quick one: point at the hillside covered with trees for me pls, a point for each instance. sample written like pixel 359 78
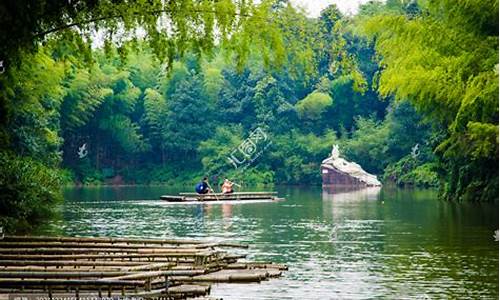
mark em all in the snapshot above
pixel 409 90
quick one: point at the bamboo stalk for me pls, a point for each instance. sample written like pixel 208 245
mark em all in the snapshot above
pixel 122 266
pixel 100 256
pixel 190 289
pixel 97 250
pixel 100 240
pixel 90 245
pixel 59 269
pixel 144 275
pixel 267 264
pixel 55 275
pixel 156 266
pixel 91 293
pixel 68 263
pixel 112 275
pixel 221 278
pixel 66 282
pixel 232 245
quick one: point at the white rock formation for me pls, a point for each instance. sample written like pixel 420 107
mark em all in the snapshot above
pixel 335 162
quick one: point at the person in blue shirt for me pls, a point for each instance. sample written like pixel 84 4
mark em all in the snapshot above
pixel 202 187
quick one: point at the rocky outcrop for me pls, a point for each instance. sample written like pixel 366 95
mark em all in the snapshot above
pixel 337 171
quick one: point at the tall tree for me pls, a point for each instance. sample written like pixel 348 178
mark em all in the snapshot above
pixel 443 56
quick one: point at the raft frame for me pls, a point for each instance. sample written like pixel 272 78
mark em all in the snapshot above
pixel 236 196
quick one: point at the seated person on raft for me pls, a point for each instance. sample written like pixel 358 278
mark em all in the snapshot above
pixel 227 186
pixel 202 187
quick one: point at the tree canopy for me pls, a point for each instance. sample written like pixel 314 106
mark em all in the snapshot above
pixel 113 92
pixel 444 59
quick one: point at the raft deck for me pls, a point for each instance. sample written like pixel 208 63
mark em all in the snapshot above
pixel 237 196
pixel 82 267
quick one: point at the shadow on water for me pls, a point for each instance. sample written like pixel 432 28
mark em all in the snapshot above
pixel 365 244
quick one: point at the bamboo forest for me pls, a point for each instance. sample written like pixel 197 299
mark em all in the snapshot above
pixel 241 149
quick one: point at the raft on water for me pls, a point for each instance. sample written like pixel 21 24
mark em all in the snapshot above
pixel 79 267
pixel 237 196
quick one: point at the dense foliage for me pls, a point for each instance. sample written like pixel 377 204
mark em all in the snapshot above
pixel 29 192
pixel 257 93
pixel 443 57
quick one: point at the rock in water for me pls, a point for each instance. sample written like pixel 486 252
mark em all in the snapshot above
pixel 338 171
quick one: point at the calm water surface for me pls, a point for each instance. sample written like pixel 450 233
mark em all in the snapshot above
pixel 370 244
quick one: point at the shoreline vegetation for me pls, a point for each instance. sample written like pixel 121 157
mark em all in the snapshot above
pixel 394 176
pixel 189 185
pixel 407 89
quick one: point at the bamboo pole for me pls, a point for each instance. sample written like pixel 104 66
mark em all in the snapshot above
pixel 90 245
pixel 55 275
pixel 97 250
pixel 100 240
pixel 101 257
pixel 68 263
pixel 155 266
pixel 112 275
pixel 121 266
pixel 222 278
pixel 78 247
pixel 66 282
pixel 144 275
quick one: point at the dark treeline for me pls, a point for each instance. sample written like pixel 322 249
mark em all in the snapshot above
pixel 406 89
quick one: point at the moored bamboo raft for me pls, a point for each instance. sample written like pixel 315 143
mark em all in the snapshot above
pixel 237 196
pixel 80 267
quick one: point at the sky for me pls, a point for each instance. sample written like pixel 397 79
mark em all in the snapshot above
pixel 314 7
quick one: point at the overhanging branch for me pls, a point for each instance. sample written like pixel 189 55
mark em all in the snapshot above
pixel 97 19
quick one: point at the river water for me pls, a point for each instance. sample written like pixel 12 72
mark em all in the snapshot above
pixel 368 244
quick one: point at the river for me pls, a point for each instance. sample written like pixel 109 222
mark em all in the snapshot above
pixel 369 244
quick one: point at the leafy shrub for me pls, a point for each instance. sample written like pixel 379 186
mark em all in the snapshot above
pixel 29 191
pixel 67 176
pixel 312 106
pixel 410 172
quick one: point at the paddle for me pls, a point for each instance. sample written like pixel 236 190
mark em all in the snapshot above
pixel 238 185
pixel 215 193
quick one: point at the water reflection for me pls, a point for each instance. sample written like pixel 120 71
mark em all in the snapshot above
pixel 368 193
pixel 369 244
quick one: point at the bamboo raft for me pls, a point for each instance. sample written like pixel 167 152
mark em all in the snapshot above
pixel 237 196
pixel 110 267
